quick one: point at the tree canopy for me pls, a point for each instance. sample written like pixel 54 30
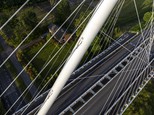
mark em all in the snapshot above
pixel 52 2
pixel 62 12
pixel 28 19
pixel 147 16
pixel 13 3
pixel 77 22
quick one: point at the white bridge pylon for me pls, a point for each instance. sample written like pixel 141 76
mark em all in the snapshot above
pixel 96 22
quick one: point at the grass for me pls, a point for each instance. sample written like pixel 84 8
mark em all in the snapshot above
pixel 54 46
pixel 142 105
pixel 50 49
pixel 125 20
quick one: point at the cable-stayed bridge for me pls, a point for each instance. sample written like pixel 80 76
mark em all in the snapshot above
pixel 88 95
pixel 108 83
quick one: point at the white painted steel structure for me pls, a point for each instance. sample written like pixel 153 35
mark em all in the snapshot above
pixel 96 22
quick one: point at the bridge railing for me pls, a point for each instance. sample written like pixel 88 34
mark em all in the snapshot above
pixel 111 71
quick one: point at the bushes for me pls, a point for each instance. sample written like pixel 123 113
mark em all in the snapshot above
pixel 30 69
pixel 13 3
pixel 144 103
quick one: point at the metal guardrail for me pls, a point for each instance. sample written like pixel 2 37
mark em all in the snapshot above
pixel 86 66
pixel 96 58
pixel 69 108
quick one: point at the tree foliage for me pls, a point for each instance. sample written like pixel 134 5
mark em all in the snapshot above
pixel 144 103
pixel 20 26
pixel 13 3
pixel 147 3
pixel 52 2
pixel 3 19
pixel 147 16
pixel 62 12
pixel 78 21
pixel 28 19
pixel 117 32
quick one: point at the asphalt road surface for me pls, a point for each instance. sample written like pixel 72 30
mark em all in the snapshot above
pixel 24 76
pixel 12 93
pixel 77 88
pixel 68 95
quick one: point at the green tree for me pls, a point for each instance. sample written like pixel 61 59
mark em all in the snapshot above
pixel 28 19
pixel 147 16
pixel 78 21
pixel 96 45
pixel 3 19
pixel 13 22
pixel 62 12
pixel 10 3
pixel 117 32
pixel 144 103
pixel 52 2
pixel 147 2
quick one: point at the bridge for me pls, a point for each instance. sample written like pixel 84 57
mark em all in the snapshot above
pixel 106 84
pixel 96 80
